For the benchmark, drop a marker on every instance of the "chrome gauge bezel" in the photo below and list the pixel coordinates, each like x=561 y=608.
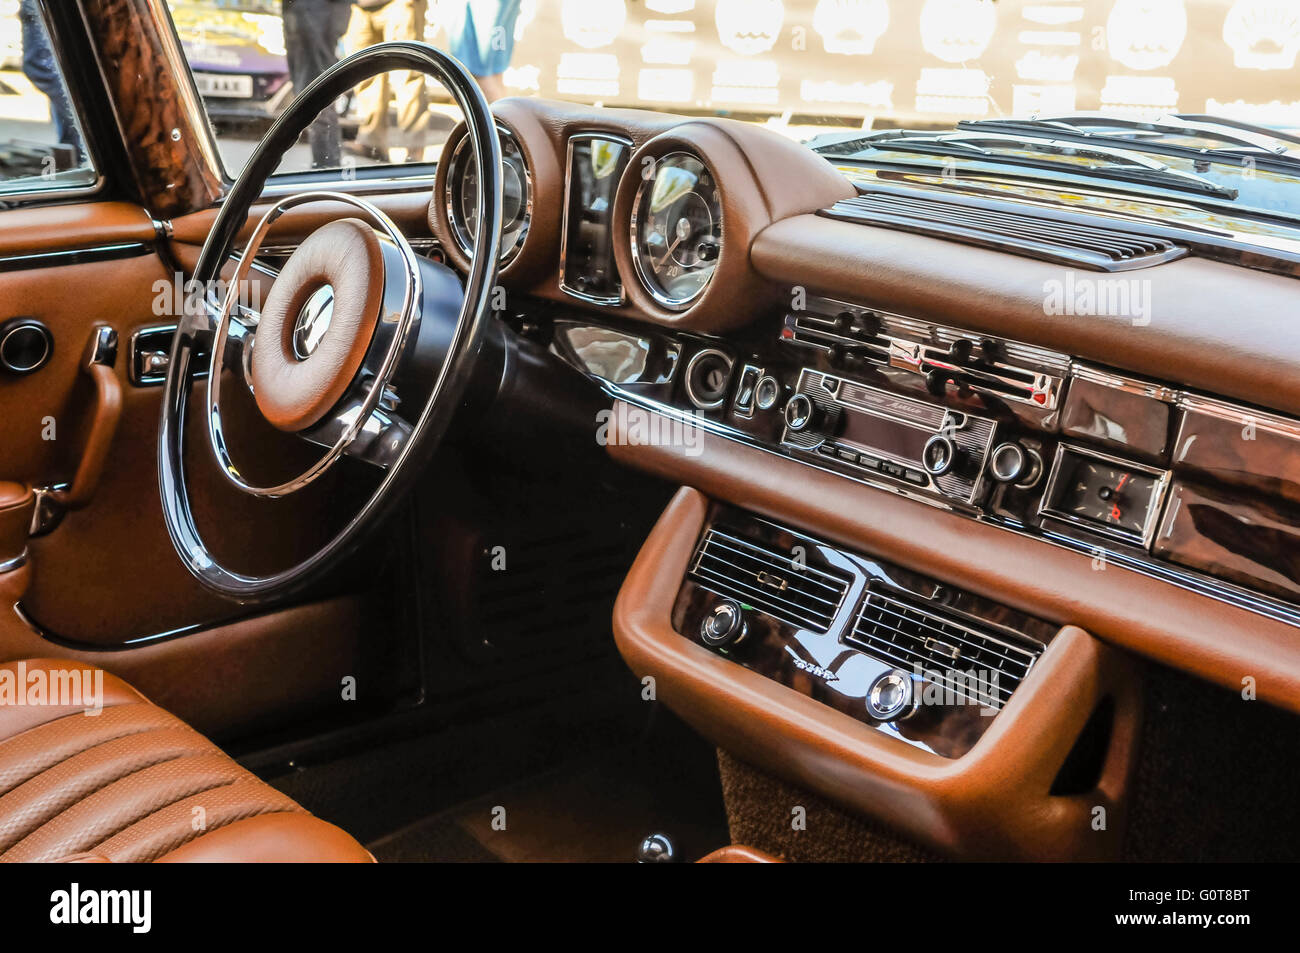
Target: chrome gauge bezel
x=459 y=230
x=649 y=283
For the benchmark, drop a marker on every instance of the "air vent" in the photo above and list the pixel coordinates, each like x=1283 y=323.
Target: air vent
x=953 y=654
x=1017 y=231
x=769 y=580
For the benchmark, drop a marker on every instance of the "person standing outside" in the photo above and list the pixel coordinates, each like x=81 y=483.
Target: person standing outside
x=312 y=30
x=482 y=36
x=378 y=21
x=41 y=70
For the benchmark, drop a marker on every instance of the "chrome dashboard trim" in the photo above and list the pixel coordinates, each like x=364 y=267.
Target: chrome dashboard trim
x=634 y=245
x=606 y=301
x=449 y=205
x=1120 y=382
x=1155 y=504
x=1228 y=593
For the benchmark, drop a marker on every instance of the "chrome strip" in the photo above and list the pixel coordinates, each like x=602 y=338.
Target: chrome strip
x=16 y=562
x=1240 y=414
x=358 y=186
x=74 y=256
x=1129 y=385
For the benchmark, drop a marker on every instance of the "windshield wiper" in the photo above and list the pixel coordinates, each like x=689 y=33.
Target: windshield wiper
x=1122 y=164
x=1264 y=147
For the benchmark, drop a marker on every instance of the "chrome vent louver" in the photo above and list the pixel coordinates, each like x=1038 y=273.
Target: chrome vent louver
x=1017 y=231
x=955 y=654
x=768 y=580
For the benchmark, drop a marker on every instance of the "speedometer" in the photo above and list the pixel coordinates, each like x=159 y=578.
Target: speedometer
x=677 y=229
x=462 y=197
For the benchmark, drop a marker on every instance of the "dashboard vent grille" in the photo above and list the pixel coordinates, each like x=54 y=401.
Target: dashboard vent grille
x=1019 y=232
x=972 y=662
x=769 y=580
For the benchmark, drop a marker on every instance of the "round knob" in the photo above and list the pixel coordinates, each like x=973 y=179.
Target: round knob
x=1012 y=462
x=656 y=849
x=939 y=455
x=800 y=413
x=767 y=392
x=725 y=626
x=892 y=696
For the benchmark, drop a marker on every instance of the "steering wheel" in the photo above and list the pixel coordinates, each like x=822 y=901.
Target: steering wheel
x=353 y=317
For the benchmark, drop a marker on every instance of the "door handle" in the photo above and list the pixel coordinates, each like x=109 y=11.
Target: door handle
x=53 y=502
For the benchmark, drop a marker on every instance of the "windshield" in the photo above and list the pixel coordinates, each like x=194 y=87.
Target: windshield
x=810 y=65
x=926 y=83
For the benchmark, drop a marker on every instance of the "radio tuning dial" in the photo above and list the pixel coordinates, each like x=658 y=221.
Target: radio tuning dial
x=939 y=455
x=800 y=413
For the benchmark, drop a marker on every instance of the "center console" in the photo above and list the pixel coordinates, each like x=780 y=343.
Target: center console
x=1181 y=486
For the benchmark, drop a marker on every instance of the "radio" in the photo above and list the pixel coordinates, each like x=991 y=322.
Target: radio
x=875 y=432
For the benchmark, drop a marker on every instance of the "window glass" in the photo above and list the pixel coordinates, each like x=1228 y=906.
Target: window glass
x=247 y=57
x=41 y=143
x=811 y=69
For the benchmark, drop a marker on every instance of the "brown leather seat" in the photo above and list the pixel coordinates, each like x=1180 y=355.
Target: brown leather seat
x=131 y=783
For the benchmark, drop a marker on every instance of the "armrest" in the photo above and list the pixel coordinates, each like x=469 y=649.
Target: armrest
x=16 y=504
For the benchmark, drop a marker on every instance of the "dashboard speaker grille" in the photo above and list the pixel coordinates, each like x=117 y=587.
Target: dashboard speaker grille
x=769 y=580
x=1015 y=231
x=952 y=653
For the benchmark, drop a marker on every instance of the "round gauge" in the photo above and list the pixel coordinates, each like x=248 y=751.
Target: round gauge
x=677 y=229
x=462 y=197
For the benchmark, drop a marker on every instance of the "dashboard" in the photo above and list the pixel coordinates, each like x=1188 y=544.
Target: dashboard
x=914 y=443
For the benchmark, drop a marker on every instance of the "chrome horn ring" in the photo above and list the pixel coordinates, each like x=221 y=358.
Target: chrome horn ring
x=465 y=316
x=399 y=333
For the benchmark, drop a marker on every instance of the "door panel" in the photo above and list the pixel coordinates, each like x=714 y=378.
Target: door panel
x=107 y=577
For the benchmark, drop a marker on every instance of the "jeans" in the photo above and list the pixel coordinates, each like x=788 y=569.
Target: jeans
x=40 y=67
x=312 y=30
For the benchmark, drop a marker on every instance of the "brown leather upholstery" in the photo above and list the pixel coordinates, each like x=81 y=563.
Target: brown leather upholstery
x=738 y=854
x=131 y=783
x=293 y=394
x=16 y=502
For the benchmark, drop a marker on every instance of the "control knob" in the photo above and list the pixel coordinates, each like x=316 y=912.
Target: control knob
x=724 y=626
x=1013 y=462
x=801 y=413
x=940 y=455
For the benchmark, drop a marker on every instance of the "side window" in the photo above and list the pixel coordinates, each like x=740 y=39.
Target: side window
x=248 y=56
x=41 y=142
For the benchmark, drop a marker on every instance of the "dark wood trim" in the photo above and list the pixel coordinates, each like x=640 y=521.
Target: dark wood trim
x=163 y=140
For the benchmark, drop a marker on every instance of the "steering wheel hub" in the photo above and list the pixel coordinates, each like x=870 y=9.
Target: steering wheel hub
x=317 y=324
x=313 y=321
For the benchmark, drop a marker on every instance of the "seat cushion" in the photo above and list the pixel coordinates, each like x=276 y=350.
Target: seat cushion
x=91 y=771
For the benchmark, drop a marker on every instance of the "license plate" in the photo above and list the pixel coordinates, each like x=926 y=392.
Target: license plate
x=223 y=84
